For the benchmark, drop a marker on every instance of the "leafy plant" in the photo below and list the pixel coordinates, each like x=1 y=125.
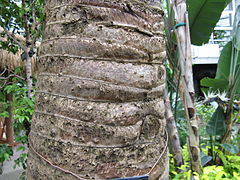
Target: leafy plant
x=22 y=159
x=179 y=56
x=5 y=152
x=203 y=17
x=21 y=24
x=230 y=162
x=216 y=126
x=228 y=76
x=184 y=169
x=230 y=148
x=205 y=113
x=23 y=108
x=230 y=170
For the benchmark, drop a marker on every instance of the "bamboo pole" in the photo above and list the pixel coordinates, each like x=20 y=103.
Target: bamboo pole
x=186 y=84
x=174 y=142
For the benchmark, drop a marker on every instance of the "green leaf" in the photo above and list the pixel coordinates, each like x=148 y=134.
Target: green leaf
x=4 y=114
x=203 y=17
x=21 y=148
x=230 y=148
x=6 y=156
x=18 y=70
x=216 y=126
x=224 y=65
x=205 y=159
x=24 y=155
x=11 y=88
x=224 y=62
x=236 y=29
x=215 y=84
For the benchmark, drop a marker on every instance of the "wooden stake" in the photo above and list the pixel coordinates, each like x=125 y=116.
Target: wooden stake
x=186 y=85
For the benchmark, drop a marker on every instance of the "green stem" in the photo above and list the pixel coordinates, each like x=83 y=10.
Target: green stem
x=212 y=148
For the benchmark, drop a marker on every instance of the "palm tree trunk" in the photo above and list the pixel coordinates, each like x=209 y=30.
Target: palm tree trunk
x=99 y=104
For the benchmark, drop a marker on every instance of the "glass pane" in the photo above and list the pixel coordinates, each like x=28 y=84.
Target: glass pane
x=229 y=6
x=237 y=3
x=225 y=20
x=221 y=37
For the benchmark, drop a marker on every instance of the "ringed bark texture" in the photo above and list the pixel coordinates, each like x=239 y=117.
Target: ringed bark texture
x=99 y=103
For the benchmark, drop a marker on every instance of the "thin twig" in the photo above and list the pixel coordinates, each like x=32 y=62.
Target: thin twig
x=5 y=69
x=12 y=36
x=4 y=84
x=11 y=75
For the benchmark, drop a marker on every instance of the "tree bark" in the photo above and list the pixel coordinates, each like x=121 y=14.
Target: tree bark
x=99 y=101
x=9 y=120
x=1 y=129
x=186 y=84
x=229 y=123
x=28 y=63
x=174 y=142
